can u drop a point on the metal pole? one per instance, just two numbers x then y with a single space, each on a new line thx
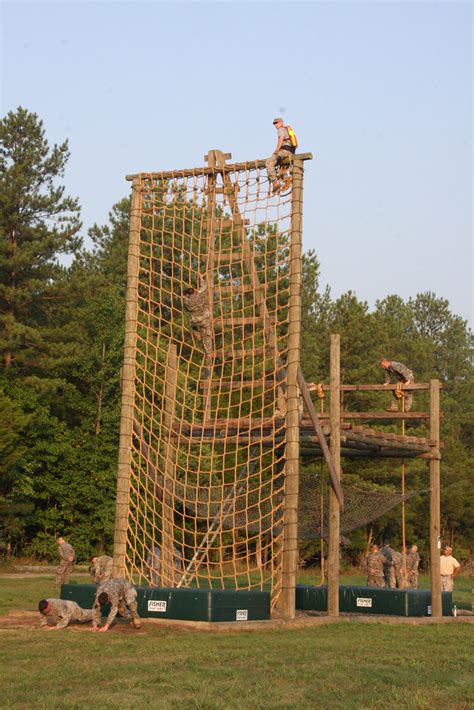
334 506
290 514
128 385
435 531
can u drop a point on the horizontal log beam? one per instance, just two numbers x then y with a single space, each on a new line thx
380 388
206 170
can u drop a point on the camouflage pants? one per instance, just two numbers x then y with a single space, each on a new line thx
274 160
203 325
83 615
413 580
389 576
447 584
63 572
408 400
128 607
398 574
375 580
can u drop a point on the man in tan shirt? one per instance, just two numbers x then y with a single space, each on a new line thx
449 568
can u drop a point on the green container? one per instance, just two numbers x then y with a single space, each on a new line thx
186 604
372 600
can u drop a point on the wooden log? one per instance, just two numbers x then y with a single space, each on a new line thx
227 169
220 323
334 519
128 387
435 529
379 388
292 453
169 455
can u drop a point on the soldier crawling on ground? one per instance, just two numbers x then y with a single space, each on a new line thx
101 568
196 302
404 377
122 597
413 562
66 560
375 567
58 613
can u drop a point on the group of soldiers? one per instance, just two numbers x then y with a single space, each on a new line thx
116 592
385 567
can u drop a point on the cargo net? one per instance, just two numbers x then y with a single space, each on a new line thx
208 447
361 506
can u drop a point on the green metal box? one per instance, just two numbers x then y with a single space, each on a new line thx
185 604
372 600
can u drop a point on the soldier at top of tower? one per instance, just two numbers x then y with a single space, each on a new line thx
286 145
404 376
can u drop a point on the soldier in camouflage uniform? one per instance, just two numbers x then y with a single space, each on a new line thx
397 563
66 559
196 302
388 572
375 563
58 613
404 376
413 562
122 597
101 568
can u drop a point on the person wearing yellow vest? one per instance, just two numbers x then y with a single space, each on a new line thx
449 568
286 145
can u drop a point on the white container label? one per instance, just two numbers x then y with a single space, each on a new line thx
158 606
428 609
364 601
242 615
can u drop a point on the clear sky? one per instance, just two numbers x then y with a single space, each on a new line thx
380 92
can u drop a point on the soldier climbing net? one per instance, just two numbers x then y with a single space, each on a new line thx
207 404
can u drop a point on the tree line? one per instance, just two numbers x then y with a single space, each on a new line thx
61 342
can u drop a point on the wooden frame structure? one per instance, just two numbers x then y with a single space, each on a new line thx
331 436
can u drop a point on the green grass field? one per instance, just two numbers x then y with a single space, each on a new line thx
341 665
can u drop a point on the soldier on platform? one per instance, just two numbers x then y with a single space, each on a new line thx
388 572
375 567
404 376
196 302
58 613
286 146
413 562
122 597
101 568
66 560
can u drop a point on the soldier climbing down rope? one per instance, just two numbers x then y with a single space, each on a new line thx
404 377
286 145
196 302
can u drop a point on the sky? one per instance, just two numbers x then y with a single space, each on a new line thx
380 92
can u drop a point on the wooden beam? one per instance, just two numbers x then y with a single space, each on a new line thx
292 449
169 455
435 530
378 388
380 415
206 170
334 506
128 388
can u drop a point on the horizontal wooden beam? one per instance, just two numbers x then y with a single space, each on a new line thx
206 170
380 415
250 320
380 388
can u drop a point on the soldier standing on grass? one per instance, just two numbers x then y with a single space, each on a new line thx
388 572
101 568
66 560
58 613
196 302
404 376
449 568
375 566
413 562
397 562
122 597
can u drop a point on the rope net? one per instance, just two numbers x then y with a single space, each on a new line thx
207 479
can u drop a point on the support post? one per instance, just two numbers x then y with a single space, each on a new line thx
128 386
334 507
290 514
169 455
435 531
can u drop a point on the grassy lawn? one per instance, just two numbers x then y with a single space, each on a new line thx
342 665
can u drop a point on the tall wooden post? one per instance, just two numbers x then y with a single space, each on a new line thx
169 455
435 528
128 385
334 507
290 515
